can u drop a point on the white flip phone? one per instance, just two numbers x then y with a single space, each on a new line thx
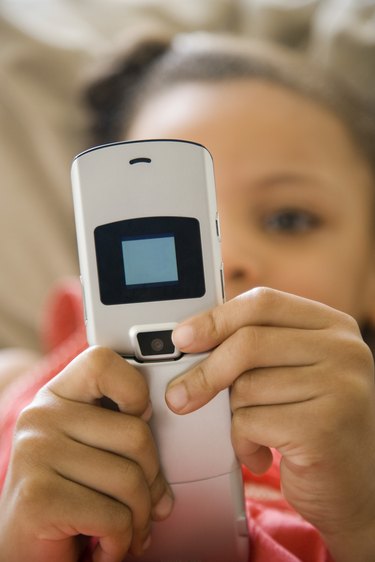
149 252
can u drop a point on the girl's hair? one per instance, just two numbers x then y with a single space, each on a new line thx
155 64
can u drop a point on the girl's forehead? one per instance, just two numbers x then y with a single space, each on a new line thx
246 117
216 104
257 131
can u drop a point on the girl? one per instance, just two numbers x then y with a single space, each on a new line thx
294 164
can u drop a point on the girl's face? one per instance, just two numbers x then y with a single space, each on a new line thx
295 198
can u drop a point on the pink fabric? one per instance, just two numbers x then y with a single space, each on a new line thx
277 533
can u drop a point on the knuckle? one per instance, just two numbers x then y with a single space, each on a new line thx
32 417
249 342
216 324
357 385
141 437
45 412
359 393
26 447
35 438
240 433
130 472
365 355
347 321
241 388
27 418
120 522
33 448
239 423
157 488
346 326
34 494
97 359
263 298
203 383
32 489
357 354
248 335
134 476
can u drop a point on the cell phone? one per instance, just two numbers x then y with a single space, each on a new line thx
149 252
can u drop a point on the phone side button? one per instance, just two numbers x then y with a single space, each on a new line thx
222 281
217 224
242 525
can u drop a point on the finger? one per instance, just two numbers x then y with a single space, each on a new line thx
121 434
161 498
78 510
139 485
99 372
109 474
279 385
255 457
260 306
249 348
287 428
253 447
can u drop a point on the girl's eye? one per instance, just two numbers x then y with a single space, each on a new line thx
290 221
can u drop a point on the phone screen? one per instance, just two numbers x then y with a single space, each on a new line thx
149 260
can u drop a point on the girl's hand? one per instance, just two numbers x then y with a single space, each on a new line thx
303 383
78 469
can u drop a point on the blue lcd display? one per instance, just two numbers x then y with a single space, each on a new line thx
149 260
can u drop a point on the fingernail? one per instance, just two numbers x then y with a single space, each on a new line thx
177 397
146 416
163 508
183 336
147 543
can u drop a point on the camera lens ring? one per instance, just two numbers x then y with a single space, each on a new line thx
157 345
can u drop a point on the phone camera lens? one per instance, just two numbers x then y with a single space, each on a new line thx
157 345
